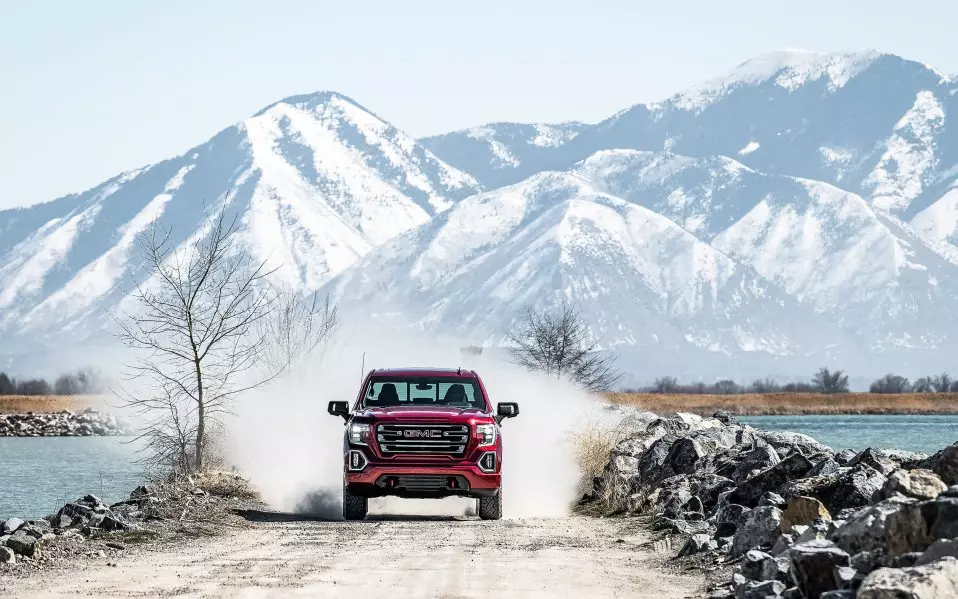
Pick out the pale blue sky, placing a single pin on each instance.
(93, 88)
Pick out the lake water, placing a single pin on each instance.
(914, 433)
(39, 474)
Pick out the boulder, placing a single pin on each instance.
(813, 565)
(865, 529)
(11, 526)
(782, 544)
(909, 460)
(707, 487)
(846, 577)
(759, 528)
(937, 550)
(847, 488)
(7, 556)
(29, 529)
(845, 456)
(794, 466)
(916, 526)
(931, 581)
(944, 464)
(803, 510)
(753, 460)
(771, 498)
(24, 545)
(752, 564)
(823, 467)
(683, 527)
(905, 560)
(919, 483)
(726, 418)
(866, 561)
(776, 568)
(729, 518)
(651, 463)
(769, 589)
(685, 456)
(876, 460)
(787, 442)
(839, 594)
(698, 543)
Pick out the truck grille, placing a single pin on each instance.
(426, 439)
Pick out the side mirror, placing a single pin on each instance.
(339, 408)
(506, 410)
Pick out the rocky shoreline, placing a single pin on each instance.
(88, 528)
(87, 423)
(795, 518)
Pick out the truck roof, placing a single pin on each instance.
(420, 371)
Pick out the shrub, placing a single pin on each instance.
(891, 383)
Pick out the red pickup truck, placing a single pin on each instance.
(415, 432)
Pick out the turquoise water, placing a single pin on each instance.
(39, 474)
(914, 433)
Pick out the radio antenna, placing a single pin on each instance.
(362, 369)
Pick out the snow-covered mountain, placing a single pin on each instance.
(873, 124)
(316, 182)
(800, 210)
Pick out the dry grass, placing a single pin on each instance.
(592, 443)
(225, 484)
(46, 404)
(793, 403)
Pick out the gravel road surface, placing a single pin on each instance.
(400, 556)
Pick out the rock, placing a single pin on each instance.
(113, 545)
(698, 543)
(845, 577)
(876, 460)
(752, 564)
(815, 531)
(839, 594)
(849, 487)
(865, 528)
(759, 528)
(916, 526)
(813, 565)
(7, 556)
(866, 561)
(826, 466)
(769, 589)
(62, 521)
(145, 491)
(29, 529)
(757, 459)
(679, 526)
(935, 580)
(729, 518)
(788, 442)
(803, 510)
(937, 550)
(694, 505)
(845, 456)
(726, 418)
(24, 545)
(776, 568)
(952, 491)
(707, 487)
(685, 455)
(12, 525)
(905, 560)
(782, 544)
(771, 498)
(909, 460)
(920, 484)
(944, 464)
(771, 479)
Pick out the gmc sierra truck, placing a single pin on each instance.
(417, 433)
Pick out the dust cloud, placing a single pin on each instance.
(283, 439)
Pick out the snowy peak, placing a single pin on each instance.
(787, 69)
(316, 182)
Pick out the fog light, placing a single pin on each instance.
(357, 461)
(487, 463)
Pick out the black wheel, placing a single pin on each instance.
(490, 508)
(354, 506)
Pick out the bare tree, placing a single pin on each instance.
(766, 385)
(665, 384)
(827, 381)
(558, 343)
(195, 323)
(891, 383)
(941, 383)
(922, 385)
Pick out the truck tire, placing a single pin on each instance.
(354, 506)
(490, 508)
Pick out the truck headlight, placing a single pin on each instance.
(486, 433)
(358, 433)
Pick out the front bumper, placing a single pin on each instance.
(465, 480)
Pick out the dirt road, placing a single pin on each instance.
(286, 556)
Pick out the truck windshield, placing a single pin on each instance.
(423, 391)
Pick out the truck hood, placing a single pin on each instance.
(445, 413)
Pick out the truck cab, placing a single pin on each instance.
(422, 433)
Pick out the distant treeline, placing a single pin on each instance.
(824, 381)
(82, 382)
